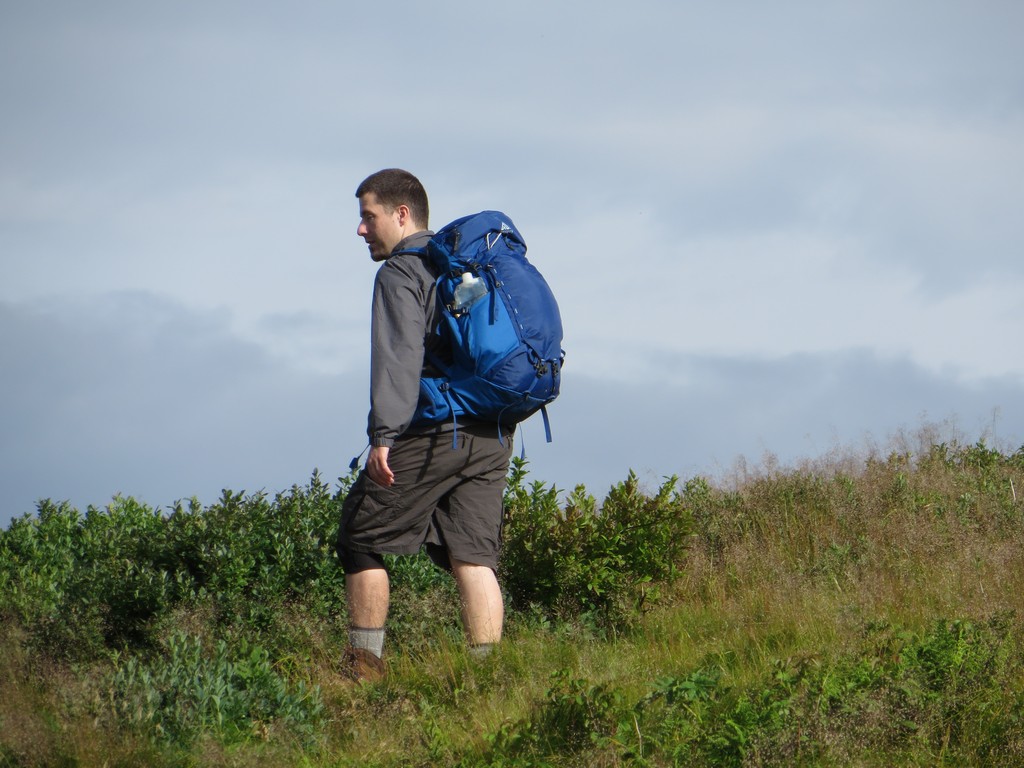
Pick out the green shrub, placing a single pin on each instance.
(81, 584)
(108, 580)
(580, 562)
(248, 549)
(425, 605)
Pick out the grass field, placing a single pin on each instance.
(853, 611)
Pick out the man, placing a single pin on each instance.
(416, 489)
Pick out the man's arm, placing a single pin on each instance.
(396, 360)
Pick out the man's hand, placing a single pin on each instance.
(377, 466)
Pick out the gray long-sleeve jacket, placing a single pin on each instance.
(403, 326)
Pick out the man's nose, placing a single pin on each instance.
(361, 229)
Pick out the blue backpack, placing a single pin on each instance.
(506, 353)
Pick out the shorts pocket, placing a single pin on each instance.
(367, 509)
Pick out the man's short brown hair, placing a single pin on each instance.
(394, 187)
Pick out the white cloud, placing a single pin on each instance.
(134, 393)
(764, 296)
(766, 213)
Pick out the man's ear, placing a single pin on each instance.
(403, 215)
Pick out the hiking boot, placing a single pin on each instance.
(362, 666)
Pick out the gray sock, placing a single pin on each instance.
(368, 639)
(481, 651)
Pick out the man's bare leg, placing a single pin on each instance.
(483, 611)
(368, 595)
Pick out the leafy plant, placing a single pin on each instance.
(604, 565)
(233, 693)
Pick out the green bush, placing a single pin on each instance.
(82, 584)
(248, 549)
(108, 580)
(603, 565)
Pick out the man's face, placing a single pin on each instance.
(381, 229)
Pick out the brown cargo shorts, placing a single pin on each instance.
(443, 496)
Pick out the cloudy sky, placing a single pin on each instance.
(775, 229)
